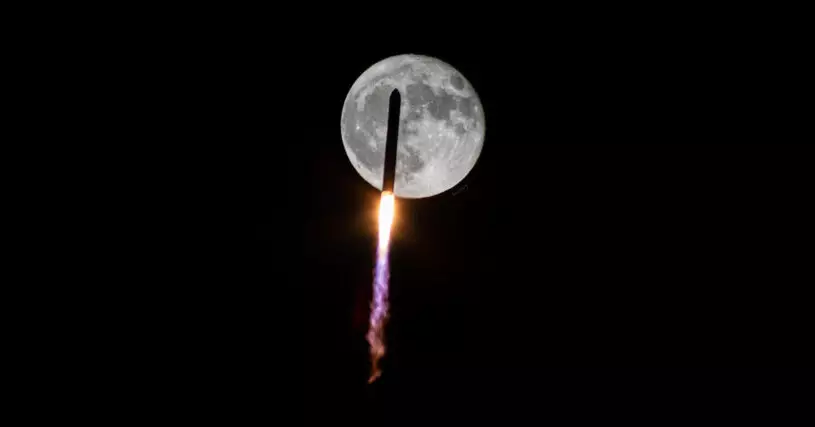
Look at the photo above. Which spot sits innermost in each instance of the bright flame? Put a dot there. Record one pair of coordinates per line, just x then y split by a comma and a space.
385, 218
379, 305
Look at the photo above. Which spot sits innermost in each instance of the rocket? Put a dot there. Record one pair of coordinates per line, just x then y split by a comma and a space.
379, 304
394, 108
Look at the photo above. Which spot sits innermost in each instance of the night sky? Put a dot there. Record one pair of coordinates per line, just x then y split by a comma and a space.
626, 247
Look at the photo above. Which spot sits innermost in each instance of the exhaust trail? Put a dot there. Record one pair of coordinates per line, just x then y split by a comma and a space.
379, 305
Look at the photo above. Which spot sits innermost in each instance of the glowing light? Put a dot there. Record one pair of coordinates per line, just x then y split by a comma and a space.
379, 305
385, 218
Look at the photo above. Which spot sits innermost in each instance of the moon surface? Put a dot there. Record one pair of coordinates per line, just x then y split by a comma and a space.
441, 125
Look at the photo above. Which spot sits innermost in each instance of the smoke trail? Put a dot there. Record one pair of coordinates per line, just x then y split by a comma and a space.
379, 305
379, 312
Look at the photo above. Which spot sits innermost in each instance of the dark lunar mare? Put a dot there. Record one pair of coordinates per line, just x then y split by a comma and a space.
439, 106
412, 162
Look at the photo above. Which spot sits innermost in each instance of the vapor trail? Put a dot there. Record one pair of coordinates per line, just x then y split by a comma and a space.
379, 305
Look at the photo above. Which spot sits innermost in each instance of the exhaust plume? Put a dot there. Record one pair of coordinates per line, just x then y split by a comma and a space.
379, 305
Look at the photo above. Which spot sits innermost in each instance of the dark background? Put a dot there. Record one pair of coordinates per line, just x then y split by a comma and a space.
630, 245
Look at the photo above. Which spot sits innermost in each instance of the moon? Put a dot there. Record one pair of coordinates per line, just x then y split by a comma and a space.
441, 125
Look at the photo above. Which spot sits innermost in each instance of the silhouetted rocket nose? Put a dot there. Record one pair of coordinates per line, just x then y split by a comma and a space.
390, 143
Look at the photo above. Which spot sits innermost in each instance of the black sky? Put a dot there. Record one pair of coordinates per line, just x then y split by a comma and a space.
629, 243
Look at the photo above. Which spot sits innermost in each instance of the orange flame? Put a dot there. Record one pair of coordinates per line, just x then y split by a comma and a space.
385, 218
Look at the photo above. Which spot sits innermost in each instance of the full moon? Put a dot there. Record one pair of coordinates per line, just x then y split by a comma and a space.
441, 125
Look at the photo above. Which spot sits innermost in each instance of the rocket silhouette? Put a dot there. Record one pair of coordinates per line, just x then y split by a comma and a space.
389, 172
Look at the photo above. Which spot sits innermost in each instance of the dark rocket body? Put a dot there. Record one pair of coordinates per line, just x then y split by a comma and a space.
390, 143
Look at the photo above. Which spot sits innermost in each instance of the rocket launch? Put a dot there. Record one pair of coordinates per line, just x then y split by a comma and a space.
379, 305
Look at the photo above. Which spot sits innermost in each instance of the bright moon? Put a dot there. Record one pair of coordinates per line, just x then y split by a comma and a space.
441, 125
